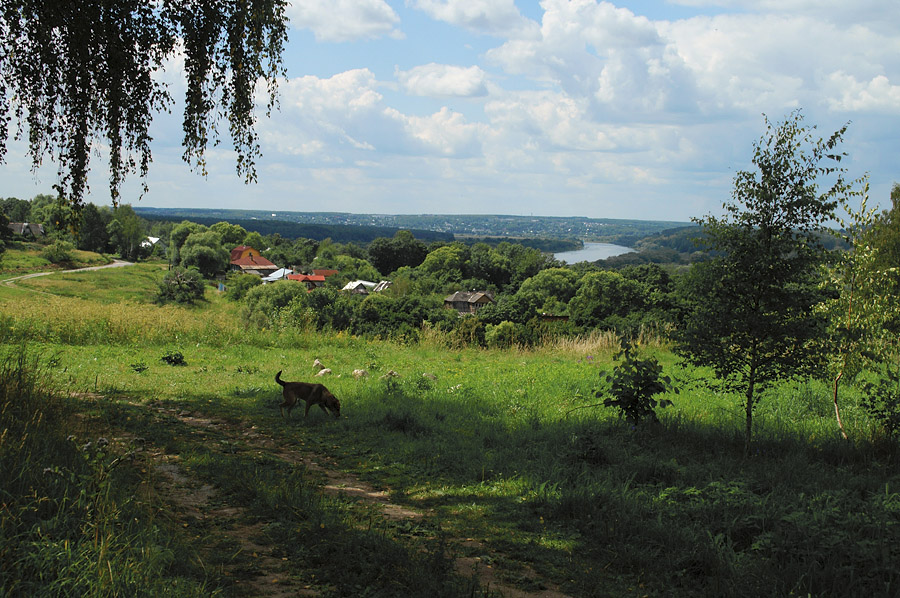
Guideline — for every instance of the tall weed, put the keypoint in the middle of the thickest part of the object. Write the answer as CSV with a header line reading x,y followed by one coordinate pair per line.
x,y
70,522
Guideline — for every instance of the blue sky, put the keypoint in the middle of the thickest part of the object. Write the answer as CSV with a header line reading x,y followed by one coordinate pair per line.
x,y
641,109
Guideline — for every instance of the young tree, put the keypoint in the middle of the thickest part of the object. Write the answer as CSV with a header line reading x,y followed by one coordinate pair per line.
x,y
864,315
751,310
81,72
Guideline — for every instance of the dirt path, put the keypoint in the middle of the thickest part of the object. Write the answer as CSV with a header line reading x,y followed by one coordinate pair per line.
x,y
115,264
197,501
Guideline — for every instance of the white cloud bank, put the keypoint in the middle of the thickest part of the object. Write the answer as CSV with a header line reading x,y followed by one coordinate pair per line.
x,y
593,110
344,20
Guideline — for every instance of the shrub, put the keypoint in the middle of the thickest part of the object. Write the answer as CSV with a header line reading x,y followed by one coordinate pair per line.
x,y
181,285
263,302
500,336
60,252
632,385
238,284
174,358
881,400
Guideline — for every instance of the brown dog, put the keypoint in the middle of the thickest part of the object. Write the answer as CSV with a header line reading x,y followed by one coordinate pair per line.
x,y
313,394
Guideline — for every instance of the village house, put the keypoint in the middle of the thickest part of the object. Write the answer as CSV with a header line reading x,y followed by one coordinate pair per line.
x,y
280,274
248,260
312,281
364,287
465,302
29,230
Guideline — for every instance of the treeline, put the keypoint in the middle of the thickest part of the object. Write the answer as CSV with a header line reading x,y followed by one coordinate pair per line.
x,y
341,233
99,229
545,245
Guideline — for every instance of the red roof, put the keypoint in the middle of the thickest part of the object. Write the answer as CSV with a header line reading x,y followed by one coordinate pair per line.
x,y
325,273
306,277
238,251
253,261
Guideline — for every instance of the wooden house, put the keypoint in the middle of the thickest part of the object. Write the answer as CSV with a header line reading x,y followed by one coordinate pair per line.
x,y
248,260
311,281
468,302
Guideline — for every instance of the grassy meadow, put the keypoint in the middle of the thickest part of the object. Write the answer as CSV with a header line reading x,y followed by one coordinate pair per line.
x,y
504,452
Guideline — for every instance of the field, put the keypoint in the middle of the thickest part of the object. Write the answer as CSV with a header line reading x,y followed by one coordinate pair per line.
x,y
471,472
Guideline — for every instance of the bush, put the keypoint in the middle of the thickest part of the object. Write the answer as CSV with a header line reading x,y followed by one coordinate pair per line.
x,y
881,400
263,302
500,336
238,284
181,285
632,385
60,252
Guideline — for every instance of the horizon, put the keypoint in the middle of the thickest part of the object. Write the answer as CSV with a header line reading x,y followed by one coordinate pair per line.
x,y
579,108
273,215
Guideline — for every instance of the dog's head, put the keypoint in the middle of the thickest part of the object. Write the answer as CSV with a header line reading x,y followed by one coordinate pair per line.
x,y
331,402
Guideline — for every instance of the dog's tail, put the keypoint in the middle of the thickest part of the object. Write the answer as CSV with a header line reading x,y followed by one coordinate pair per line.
x,y
278,378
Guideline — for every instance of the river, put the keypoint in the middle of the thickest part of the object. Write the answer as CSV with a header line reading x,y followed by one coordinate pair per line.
x,y
592,252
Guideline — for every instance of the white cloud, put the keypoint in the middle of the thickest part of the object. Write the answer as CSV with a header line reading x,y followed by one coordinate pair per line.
x,y
345,20
441,80
493,17
444,133
345,119
608,55
851,95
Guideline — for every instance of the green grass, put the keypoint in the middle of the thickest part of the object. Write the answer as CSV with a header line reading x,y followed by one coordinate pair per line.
x,y
23,258
495,450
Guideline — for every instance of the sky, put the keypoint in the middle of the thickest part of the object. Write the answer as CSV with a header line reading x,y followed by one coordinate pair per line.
x,y
639,109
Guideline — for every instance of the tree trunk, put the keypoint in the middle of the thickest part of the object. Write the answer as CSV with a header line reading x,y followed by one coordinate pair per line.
x,y
837,410
748,430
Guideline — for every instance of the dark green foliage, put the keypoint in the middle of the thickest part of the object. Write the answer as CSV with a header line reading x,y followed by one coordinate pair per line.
x,y
379,315
881,400
292,254
93,234
181,285
173,358
58,252
605,299
238,284
82,72
750,308
178,236
126,232
387,255
209,261
267,299
633,384
18,210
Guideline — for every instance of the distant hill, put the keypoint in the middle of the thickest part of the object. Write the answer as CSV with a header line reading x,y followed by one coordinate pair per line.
x,y
426,227
341,233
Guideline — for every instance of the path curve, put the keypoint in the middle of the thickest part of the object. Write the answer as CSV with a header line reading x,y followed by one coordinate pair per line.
x,y
11,282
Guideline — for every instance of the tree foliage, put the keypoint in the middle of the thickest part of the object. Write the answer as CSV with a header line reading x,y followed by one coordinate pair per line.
x,y
750,308
81,72
181,285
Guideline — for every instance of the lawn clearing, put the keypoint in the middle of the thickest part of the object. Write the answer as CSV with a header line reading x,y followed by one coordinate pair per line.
x,y
489,447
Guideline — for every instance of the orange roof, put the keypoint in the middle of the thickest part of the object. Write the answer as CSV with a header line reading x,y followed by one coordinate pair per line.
x,y
325,272
238,251
306,277
253,261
